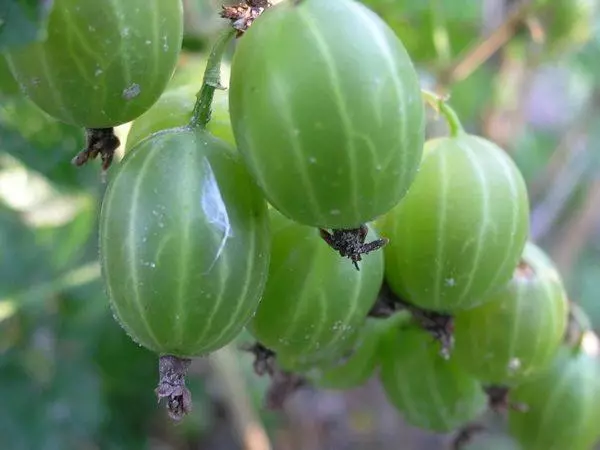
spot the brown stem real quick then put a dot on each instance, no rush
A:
(576, 232)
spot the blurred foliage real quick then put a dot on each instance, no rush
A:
(70, 378)
(23, 21)
(433, 31)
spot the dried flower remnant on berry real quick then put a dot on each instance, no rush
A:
(99, 141)
(351, 242)
(172, 372)
(244, 14)
(498, 400)
(524, 271)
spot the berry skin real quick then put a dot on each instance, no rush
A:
(460, 231)
(104, 62)
(184, 243)
(431, 392)
(327, 112)
(563, 403)
(355, 368)
(315, 302)
(519, 328)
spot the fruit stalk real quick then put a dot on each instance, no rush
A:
(440, 106)
(211, 82)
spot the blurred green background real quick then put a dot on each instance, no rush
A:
(524, 74)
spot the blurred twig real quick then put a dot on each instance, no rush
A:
(467, 62)
(503, 118)
(563, 173)
(566, 149)
(547, 212)
(227, 372)
(577, 230)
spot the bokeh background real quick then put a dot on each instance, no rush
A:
(524, 74)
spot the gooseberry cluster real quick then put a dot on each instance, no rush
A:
(304, 204)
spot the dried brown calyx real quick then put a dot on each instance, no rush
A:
(171, 386)
(524, 271)
(498, 399)
(243, 14)
(98, 142)
(351, 243)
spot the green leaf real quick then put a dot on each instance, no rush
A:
(23, 21)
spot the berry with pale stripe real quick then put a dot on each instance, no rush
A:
(518, 330)
(314, 302)
(104, 62)
(430, 391)
(184, 243)
(460, 231)
(563, 403)
(326, 111)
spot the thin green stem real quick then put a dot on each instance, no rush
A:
(211, 82)
(439, 105)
